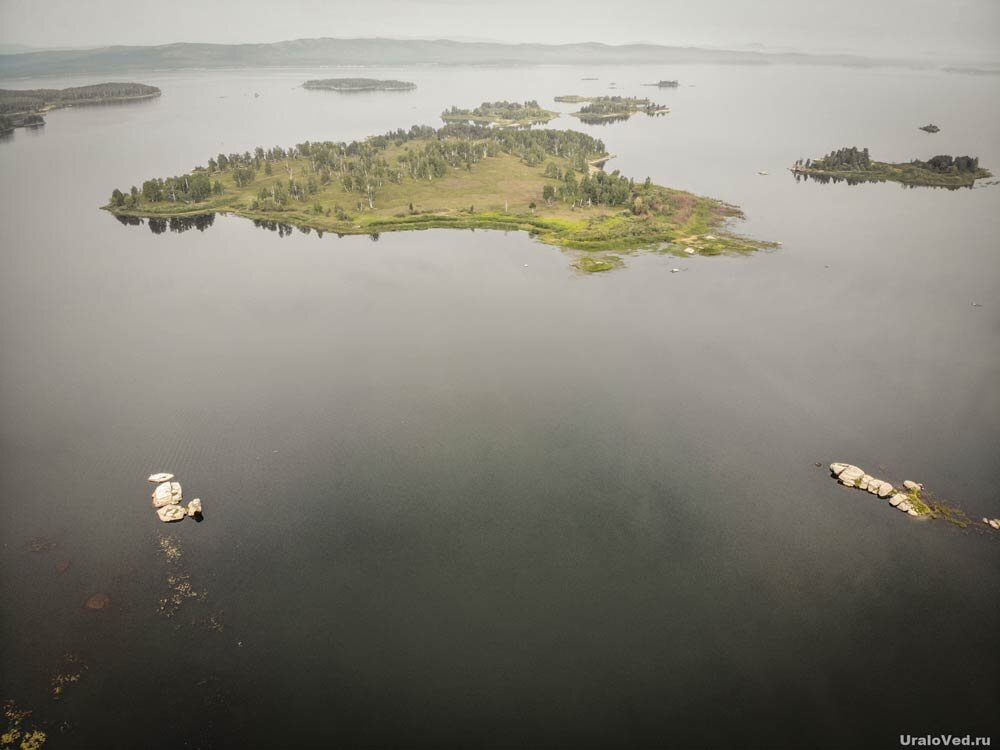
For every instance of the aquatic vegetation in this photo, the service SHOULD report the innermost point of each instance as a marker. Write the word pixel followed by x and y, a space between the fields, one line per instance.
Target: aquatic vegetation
pixel 16 735
pixel 171 550
pixel 181 590
pixel 71 670
pixel 598 263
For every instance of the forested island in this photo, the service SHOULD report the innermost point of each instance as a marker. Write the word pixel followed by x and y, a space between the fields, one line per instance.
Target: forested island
pixel 930 128
pixel 605 109
pixel 664 84
pixel 503 114
pixel 546 182
pixel 855 166
pixel 348 85
pixel 24 107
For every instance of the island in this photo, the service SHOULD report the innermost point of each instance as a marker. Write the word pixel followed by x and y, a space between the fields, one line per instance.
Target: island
pixel 502 114
pixel 549 183
pixel 930 128
pixel 351 85
pixel 23 107
pixel 606 109
pixel 664 84
pixel 854 166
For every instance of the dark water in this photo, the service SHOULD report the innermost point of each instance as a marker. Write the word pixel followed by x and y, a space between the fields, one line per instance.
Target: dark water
pixel 452 499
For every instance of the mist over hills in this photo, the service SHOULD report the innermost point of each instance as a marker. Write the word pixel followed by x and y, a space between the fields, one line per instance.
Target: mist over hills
pixel 381 51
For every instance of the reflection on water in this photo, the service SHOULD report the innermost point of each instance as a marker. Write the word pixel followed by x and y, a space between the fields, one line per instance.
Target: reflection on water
pixel 177 224
pixel 826 179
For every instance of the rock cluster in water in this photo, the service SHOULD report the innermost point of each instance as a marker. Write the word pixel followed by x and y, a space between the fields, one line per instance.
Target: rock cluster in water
pixel 167 499
pixel 851 476
pixel 993 523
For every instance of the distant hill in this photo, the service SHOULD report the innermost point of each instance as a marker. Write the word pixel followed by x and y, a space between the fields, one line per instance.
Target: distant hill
pixel 326 51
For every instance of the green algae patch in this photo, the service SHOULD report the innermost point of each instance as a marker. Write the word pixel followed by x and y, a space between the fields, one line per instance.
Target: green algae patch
pixel 18 733
pixel 598 263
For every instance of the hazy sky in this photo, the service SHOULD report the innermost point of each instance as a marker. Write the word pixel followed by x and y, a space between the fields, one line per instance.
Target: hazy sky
pixel 916 28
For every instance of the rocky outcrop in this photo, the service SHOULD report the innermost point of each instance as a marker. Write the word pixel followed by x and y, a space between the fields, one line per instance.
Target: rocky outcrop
pixel 163 476
pixel 170 513
pixel 850 475
pixel 167 499
pixel 167 493
pixel 993 523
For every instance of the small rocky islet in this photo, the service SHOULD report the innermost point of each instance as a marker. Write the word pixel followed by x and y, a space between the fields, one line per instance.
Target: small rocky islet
pixel 167 497
pixel 908 502
pixel 909 499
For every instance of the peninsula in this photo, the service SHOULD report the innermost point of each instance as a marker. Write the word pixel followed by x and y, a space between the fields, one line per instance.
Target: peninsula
pixel 350 85
pixel 503 114
pixel 462 176
pixel 23 107
pixel 604 109
pixel 855 166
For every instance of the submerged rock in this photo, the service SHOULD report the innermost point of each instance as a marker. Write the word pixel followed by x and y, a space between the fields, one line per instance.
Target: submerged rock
pixel 161 477
pixel 167 493
pixel 98 601
pixel 170 513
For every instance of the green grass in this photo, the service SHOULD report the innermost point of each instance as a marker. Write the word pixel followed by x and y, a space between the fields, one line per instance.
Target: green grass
pixel 496 193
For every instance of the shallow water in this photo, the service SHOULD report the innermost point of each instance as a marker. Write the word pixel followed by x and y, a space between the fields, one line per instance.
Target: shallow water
pixel 456 493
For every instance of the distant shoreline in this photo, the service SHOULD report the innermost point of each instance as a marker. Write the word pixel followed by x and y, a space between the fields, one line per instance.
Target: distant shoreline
pixel 370 52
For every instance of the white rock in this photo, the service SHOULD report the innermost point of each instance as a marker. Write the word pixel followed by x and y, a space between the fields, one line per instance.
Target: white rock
pixel 675 270
pixel 910 485
pixel 161 477
pixel 850 475
pixel 905 506
pixel 689 250
pixel 912 512
pixel 194 506
pixel 886 489
pixel 170 513
pixel 896 499
pixel 995 523
pixel 167 493
pixel 837 468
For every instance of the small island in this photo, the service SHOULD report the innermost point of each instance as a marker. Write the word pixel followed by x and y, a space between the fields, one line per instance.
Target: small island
pixel 351 85
pixel 606 109
pixel 664 84
pixel 502 114
pixel 24 107
pixel 855 166
pixel 549 183
pixel 930 128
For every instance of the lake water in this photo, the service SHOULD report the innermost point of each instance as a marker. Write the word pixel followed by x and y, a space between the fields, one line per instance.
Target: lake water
pixel 457 494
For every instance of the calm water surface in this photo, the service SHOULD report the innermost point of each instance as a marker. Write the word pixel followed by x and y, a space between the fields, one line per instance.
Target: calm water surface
pixel 458 495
